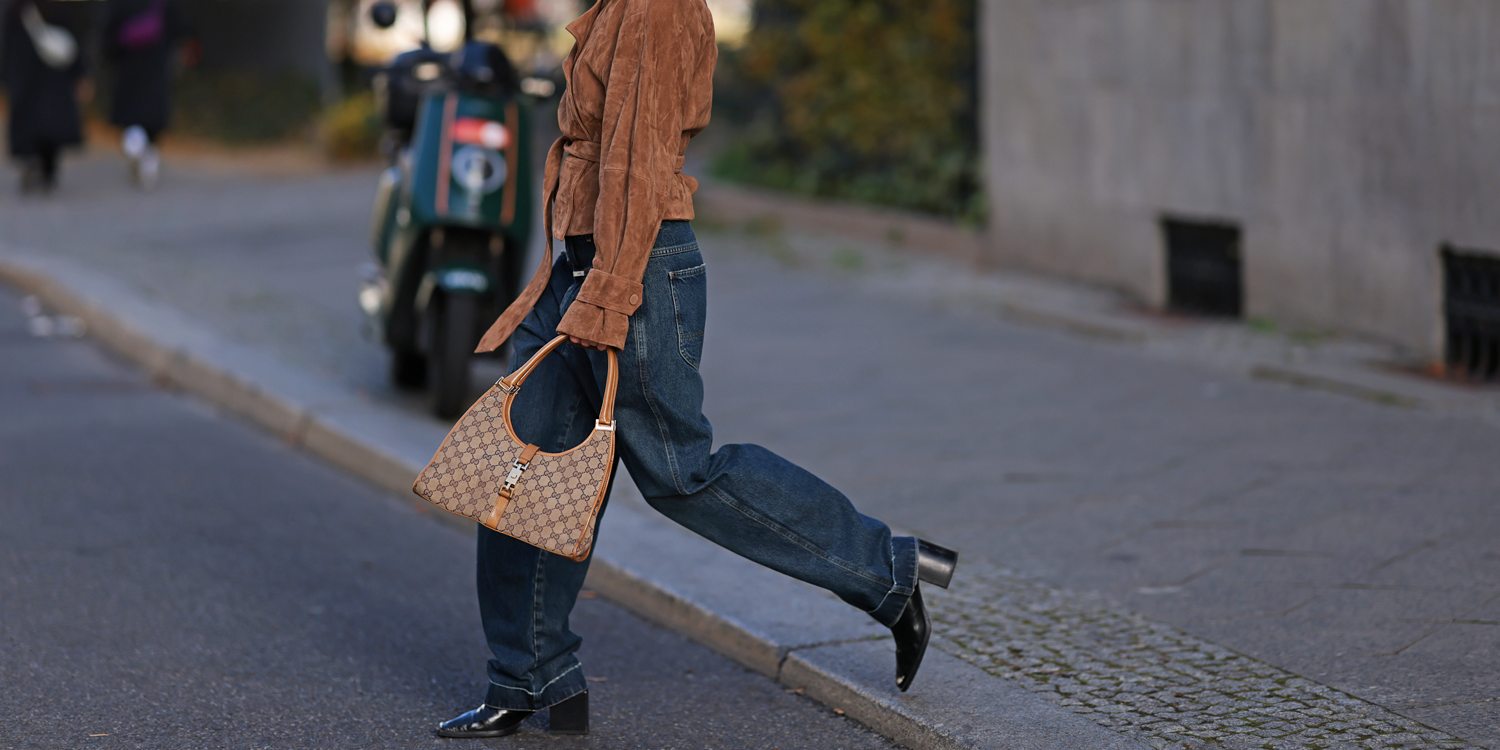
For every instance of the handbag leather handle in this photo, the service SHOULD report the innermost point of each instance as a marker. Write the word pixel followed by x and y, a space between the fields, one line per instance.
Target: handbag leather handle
pixel 512 382
pixel 611 384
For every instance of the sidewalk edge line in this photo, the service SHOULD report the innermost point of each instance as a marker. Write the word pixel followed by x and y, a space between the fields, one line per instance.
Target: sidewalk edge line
pixel 1290 376
pixel 302 427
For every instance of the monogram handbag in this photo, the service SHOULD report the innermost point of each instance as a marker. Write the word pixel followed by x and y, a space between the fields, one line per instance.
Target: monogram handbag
pixel 484 472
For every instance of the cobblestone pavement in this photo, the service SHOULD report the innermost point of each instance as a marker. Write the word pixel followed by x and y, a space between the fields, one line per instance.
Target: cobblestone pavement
pixel 1150 681
pixel 1348 541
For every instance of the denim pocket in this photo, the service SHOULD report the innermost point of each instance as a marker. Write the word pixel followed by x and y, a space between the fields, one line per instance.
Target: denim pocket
pixel 690 303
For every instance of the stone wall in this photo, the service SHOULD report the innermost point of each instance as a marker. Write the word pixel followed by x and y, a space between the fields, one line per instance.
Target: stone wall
pixel 1349 139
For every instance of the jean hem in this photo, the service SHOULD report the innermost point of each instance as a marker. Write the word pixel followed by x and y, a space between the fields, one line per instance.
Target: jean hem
pixel 904 570
pixel 510 698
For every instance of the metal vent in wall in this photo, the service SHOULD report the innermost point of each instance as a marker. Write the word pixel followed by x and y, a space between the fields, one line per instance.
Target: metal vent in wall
pixel 1203 267
pixel 1471 313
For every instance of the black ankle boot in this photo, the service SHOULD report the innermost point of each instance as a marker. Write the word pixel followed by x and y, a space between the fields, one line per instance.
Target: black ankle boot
pixel 911 633
pixel 485 721
pixel 568 717
pixel 571 716
pixel 935 565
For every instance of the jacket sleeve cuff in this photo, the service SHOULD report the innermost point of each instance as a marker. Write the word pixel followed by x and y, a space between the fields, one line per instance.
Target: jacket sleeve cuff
pixel 610 292
pixel 593 323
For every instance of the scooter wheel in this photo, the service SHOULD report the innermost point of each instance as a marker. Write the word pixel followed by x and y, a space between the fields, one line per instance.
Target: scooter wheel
pixel 454 341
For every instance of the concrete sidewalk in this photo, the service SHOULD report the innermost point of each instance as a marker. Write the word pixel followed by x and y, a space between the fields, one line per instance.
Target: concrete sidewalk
pixel 1317 569
pixel 808 641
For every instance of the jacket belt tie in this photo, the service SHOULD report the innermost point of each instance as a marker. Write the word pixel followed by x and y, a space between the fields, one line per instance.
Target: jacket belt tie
pixel 509 320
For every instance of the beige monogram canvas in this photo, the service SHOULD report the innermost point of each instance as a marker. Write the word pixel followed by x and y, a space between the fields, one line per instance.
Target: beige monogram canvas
pixel 556 499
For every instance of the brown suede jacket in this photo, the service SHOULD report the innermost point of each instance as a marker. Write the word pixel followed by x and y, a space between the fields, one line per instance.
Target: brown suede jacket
pixel 640 86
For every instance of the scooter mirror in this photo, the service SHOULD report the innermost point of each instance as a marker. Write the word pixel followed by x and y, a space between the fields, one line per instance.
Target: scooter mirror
pixel 383 14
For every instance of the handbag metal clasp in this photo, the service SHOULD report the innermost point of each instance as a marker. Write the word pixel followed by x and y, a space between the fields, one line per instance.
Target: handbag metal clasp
pixel 514 476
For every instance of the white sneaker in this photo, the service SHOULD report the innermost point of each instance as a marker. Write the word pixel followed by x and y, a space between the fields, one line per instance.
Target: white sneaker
pixel 135 142
pixel 148 168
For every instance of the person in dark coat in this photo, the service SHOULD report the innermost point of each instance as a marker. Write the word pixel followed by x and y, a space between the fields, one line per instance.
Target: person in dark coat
pixel 140 37
pixel 42 93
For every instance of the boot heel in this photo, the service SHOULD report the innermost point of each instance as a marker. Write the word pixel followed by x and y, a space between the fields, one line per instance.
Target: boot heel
pixel 571 716
pixel 935 565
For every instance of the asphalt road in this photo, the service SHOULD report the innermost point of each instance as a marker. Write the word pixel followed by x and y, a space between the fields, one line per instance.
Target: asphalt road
pixel 172 578
pixel 1351 543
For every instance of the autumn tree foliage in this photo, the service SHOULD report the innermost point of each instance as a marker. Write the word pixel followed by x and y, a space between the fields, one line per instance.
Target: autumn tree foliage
pixel 870 100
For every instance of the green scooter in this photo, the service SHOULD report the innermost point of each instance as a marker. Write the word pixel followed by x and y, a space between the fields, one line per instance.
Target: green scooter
pixel 453 212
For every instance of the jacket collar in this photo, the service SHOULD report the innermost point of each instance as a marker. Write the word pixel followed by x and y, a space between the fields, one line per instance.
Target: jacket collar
pixel 582 25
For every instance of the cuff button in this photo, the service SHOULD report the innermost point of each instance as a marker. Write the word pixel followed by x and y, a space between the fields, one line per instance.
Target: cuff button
pixel 635 299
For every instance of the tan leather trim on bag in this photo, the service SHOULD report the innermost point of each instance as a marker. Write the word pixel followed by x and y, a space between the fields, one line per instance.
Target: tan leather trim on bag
pixel 583 546
pixel 484 472
pixel 606 407
pixel 611 384
pixel 515 379
pixel 502 499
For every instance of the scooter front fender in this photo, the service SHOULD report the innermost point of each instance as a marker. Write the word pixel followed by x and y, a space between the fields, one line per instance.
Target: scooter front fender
pixel 383 223
pixel 452 279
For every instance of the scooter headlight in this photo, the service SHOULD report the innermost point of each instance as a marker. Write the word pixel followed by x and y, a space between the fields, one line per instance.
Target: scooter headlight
pixel 369 300
pixel 372 290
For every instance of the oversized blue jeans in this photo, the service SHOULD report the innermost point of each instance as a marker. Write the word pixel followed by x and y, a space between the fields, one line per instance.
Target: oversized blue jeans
pixel 742 497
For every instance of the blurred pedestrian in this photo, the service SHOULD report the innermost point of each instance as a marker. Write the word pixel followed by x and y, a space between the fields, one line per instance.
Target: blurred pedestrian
pixel 42 69
pixel 640 88
pixel 140 37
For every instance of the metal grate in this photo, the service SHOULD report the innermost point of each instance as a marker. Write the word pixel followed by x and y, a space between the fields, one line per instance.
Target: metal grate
pixel 1471 313
pixel 1203 267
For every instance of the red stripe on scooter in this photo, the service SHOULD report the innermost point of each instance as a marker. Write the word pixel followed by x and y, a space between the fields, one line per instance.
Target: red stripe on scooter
pixel 480 132
pixel 508 206
pixel 445 153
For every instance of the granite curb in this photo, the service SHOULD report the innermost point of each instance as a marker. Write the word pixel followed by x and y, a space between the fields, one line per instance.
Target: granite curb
pixel 809 641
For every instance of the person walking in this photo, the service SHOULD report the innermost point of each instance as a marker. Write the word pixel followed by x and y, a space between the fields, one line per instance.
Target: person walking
pixel 139 39
pixel 632 278
pixel 42 70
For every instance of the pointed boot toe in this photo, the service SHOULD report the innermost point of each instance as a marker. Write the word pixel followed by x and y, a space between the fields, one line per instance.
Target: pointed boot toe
pixel 484 721
pixel 911 633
